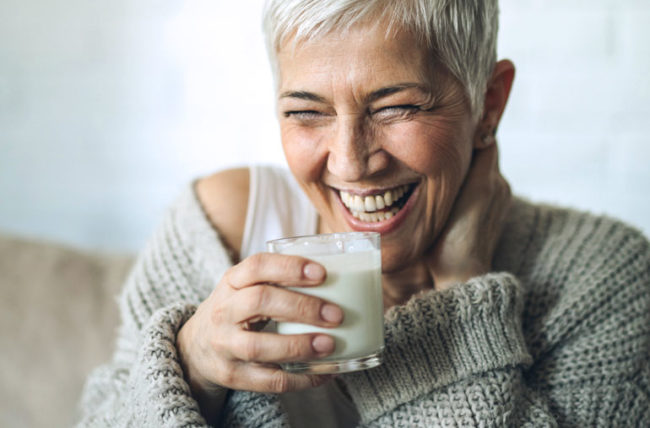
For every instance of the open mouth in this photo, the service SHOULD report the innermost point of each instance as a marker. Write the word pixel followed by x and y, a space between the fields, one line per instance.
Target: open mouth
pixel 377 207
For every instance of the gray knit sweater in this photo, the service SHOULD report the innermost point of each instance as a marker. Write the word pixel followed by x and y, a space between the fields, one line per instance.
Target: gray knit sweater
pixel 557 335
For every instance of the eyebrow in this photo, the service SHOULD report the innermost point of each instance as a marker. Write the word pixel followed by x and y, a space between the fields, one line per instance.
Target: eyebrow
pixel 373 96
pixel 303 95
pixel 389 90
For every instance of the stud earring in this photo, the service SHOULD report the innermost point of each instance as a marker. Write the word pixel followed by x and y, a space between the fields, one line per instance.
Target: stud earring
pixel 488 138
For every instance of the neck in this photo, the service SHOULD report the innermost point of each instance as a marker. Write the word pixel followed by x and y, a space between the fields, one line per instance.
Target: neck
pixel 400 286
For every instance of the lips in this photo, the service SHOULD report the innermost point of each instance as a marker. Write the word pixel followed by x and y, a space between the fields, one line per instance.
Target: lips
pixel 379 211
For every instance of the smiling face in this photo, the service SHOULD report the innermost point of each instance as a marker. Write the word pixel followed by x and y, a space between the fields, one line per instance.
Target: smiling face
pixel 377 137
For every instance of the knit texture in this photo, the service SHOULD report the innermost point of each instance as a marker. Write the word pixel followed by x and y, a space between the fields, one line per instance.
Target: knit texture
pixel 557 335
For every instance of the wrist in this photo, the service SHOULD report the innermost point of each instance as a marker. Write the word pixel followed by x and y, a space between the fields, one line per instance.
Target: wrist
pixel 209 396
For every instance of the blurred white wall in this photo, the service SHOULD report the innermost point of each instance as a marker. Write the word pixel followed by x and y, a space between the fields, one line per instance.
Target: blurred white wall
pixel 575 131
pixel 107 109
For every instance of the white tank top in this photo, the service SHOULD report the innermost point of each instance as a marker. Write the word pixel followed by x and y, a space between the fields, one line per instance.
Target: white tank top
pixel 278 208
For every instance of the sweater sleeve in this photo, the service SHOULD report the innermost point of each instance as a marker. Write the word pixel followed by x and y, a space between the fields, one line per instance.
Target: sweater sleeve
pixel 465 356
pixel 143 385
pixel 451 358
pixel 149 389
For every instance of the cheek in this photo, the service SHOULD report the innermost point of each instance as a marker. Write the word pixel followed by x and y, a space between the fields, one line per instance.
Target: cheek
pixel 435 151
pixel 301 149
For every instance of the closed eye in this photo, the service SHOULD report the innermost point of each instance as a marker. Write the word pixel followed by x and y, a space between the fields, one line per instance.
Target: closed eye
pixel 303 114
pixel 397 110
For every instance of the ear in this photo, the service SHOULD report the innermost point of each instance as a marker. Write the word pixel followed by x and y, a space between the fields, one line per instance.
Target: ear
pixel 496 97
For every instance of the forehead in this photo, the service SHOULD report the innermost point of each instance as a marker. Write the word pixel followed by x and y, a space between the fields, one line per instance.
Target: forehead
pixel 362 56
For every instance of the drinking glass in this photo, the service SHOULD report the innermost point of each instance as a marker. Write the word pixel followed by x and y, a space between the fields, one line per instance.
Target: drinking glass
pixel 353 264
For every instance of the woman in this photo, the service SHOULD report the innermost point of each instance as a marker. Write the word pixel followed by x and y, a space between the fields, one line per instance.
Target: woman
pixel 499 312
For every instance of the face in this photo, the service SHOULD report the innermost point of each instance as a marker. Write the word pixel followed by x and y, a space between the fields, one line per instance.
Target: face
pixel 379 138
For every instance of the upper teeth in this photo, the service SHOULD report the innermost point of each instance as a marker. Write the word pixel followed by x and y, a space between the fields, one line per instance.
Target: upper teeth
pixel 372 203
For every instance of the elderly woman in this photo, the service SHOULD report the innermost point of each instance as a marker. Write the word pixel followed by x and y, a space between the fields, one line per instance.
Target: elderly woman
pixel 498 312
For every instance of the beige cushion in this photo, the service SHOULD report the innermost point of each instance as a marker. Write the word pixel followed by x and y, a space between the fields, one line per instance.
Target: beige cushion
pixel 58 318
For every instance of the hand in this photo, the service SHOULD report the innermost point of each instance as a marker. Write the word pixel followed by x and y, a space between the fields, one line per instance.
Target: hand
pixel 218 347
pixel 466 245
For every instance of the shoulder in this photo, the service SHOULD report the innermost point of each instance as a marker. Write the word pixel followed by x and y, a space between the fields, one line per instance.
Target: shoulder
pixel 224 198
pixel 595 243
pixel 539 235
pixel 586 276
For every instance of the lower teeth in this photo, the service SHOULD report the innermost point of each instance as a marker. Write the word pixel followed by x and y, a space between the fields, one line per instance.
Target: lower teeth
pixel 375 216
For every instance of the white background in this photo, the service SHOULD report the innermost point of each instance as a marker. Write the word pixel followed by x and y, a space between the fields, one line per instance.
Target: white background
pixel 108 109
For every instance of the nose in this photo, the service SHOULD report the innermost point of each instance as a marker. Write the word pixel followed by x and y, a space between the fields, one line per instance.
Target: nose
pixel 353 151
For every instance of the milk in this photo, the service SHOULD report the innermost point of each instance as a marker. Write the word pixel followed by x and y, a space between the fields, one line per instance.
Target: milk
pixel 354 283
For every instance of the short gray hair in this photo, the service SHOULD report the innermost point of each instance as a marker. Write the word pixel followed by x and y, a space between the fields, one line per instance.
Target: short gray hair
pixel 460 33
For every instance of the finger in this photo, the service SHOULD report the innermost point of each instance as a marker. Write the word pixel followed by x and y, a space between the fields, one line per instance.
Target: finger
pixel 280 304
pixel 279 269
pixel 272 379
pixel 278 348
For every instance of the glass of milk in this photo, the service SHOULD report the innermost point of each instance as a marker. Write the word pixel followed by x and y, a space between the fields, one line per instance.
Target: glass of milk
pixel 353 264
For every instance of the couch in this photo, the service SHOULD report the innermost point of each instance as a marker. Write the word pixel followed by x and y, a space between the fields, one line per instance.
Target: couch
pixel 58 319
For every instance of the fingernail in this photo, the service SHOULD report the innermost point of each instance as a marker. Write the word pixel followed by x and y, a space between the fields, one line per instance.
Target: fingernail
pixel 331 313
pixel 323 344
pixel 313 271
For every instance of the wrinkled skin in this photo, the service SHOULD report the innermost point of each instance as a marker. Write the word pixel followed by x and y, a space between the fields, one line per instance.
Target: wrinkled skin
pixel 358 112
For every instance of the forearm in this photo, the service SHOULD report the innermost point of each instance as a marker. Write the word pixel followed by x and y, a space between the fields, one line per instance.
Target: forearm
pixel 146 384
pixel 460 356
pixel 148 390
pixel 442 338
pixel 497 398
pixel 454 358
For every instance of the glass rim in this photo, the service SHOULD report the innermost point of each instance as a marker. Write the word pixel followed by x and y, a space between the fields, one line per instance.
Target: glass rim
pixel 326 237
